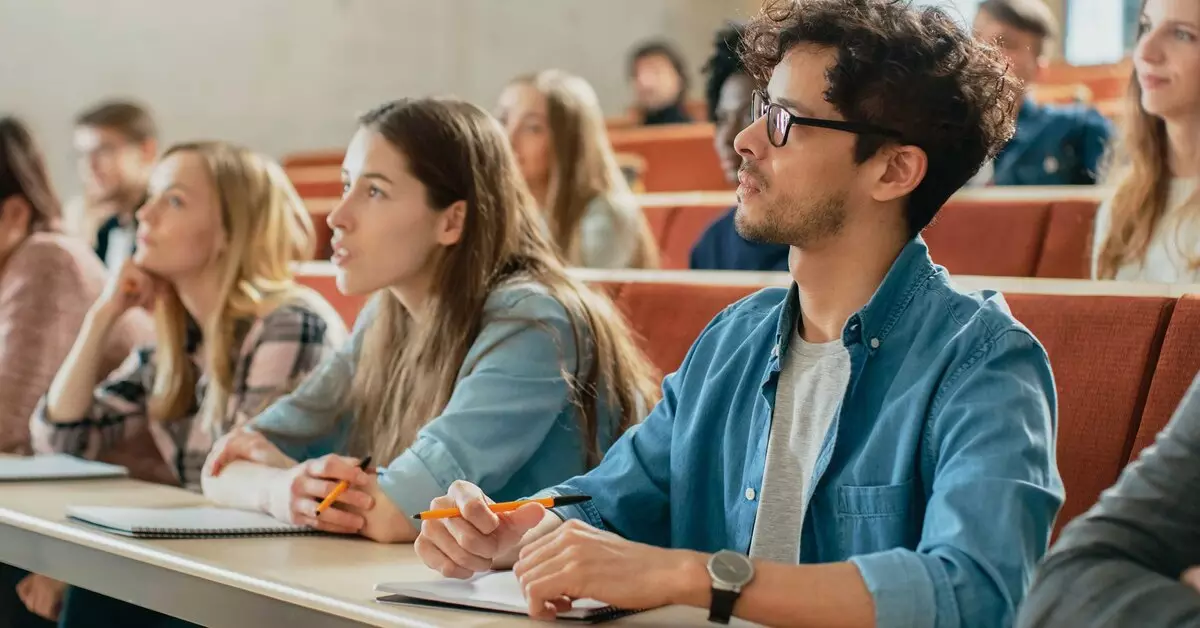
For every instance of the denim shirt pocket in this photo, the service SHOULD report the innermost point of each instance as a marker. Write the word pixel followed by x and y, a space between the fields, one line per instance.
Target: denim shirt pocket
pixel 876 518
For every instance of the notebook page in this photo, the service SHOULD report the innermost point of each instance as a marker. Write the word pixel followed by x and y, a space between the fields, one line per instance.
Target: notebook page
pixel 198 519
pixel 55 467
pixel 497 590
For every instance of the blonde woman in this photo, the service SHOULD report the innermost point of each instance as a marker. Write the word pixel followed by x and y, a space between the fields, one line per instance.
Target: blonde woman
pixel 1149 230
pixel 556 129
pixel 215 242
pixel 479 358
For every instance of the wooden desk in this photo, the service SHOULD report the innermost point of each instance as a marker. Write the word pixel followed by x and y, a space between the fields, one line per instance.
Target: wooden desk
pixel 284 581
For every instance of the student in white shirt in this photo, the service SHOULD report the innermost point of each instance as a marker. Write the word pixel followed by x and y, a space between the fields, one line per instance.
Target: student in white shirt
pixel 1149 230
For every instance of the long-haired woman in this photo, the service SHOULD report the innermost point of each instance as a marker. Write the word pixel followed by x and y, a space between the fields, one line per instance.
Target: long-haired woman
pixel 1149 230
pixel 479 358
pixel 556 128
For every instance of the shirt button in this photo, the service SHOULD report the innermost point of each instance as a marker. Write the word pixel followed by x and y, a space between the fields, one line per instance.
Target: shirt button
pixel 750 494
pixel 775 351
pixel 874 343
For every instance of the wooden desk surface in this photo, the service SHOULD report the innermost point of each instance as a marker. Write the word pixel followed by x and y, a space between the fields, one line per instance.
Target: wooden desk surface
pixel 334 576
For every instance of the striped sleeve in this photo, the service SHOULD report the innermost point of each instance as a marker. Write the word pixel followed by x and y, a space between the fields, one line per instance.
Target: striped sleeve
pixel 286 347
pixel 118 412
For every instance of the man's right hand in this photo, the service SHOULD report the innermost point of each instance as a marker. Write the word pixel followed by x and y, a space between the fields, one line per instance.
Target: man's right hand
pixel 462 546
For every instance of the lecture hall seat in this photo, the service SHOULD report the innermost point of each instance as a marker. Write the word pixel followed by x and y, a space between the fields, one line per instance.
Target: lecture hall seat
pixel 991 238
pixel 1066 248
pixel 1102 351
pixel 688 224
pixel 659 219
pixel 1178 364
pixel 668 318
pixel 679 158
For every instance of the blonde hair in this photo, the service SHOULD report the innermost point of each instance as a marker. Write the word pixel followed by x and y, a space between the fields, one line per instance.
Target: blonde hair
pixel 407 370
pixel 584 167
pixel 1140 173
pixel 267 228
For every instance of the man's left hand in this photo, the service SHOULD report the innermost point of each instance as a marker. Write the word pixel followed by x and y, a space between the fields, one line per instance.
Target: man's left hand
pixel 578 561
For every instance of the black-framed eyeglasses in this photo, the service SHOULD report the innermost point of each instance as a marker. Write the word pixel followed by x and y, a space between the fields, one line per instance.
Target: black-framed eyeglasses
pixel 780 122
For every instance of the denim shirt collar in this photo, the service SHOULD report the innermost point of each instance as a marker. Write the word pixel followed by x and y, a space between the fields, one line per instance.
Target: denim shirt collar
pixel 872 324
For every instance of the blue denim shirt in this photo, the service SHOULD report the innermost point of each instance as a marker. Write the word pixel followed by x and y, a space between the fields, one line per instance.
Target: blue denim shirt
pixel 937 477
pixel 508 427
pixel 1053 145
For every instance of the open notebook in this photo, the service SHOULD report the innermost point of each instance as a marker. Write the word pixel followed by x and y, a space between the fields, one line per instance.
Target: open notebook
pixel 497 592
pixel 55 467
pixel 183 523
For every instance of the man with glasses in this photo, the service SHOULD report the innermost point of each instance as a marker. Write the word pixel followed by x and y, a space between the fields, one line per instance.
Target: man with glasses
pixel 116 143
pixel 879 443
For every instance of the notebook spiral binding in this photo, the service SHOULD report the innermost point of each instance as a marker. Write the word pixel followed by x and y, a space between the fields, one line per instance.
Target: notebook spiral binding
pixel 179 533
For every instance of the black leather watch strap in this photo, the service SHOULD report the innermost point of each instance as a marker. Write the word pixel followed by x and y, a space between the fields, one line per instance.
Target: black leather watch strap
pixel 721 608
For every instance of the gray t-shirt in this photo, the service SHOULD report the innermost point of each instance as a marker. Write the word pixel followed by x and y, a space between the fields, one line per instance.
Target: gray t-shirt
pixel 812 382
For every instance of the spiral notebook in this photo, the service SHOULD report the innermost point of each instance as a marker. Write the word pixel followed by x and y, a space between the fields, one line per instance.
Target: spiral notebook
pixel 183 523
pixel 494 592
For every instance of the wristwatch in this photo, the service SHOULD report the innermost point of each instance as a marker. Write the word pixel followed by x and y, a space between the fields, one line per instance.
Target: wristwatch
pixel 730 572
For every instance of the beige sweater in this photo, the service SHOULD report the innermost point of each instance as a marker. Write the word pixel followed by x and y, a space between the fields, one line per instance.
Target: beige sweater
pixel 46 288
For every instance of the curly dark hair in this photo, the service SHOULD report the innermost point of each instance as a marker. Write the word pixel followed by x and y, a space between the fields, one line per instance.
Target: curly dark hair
pixel 724 63
pixel 910 69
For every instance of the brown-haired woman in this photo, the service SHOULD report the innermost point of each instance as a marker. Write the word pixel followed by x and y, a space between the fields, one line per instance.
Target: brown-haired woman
pixel 1149 230
pixel 556 130
pixel 47 283
pixel 478 358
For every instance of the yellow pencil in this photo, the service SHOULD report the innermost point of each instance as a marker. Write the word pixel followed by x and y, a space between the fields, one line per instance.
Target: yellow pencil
pixel 548 502
pixel 339 489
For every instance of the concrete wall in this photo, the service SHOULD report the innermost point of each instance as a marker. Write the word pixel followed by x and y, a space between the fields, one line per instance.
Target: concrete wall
pixel 285 75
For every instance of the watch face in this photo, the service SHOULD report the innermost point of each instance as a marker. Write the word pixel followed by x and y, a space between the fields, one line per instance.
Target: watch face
pixel 731 568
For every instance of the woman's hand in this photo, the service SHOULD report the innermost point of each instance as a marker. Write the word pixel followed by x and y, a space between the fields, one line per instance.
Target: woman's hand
pixel 296 494
pixel 246 444
pixel 129 287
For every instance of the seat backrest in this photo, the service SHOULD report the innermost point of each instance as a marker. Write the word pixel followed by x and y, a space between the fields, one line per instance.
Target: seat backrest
pixel 992 238
pixel 667 318
pixel 660 218
pixel 1102 351
pixel 1178 363
pixel 331 157
pixel 686 227
pixel 1066 249
pixel 679 158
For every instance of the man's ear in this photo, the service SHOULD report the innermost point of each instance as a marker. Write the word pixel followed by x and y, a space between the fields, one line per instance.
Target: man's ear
pixel 451 223
pixel 903 171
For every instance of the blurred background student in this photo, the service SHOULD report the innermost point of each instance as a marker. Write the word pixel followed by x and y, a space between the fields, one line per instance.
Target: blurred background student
pixel 660 84
pixel 116 143
pixel 556 129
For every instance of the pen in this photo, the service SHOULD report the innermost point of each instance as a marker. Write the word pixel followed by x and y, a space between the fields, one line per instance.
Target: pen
pixel 339 489
pixel 548 502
